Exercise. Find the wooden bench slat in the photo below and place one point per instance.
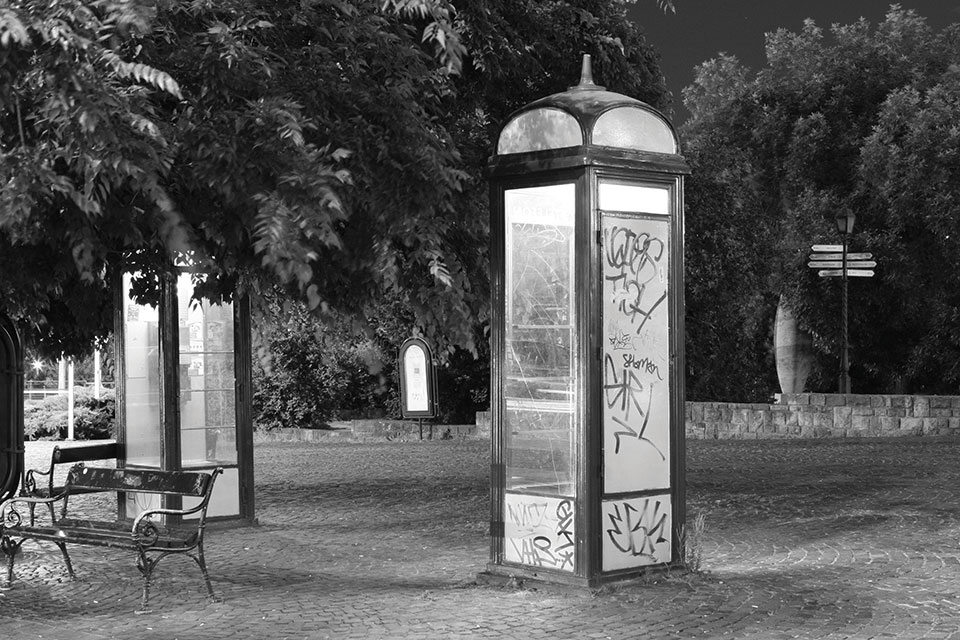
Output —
(185, 483)
(69, 455)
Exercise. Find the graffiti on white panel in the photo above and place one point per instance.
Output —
(539, 531)
(633, 265)
(636, 353)
(639, 529)
(628, 400)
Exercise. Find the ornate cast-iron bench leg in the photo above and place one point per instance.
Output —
(202, 563)
(146, 566)
(66, 559)
(10, 548)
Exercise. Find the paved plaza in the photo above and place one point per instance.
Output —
(803, 539)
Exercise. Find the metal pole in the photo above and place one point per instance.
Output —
(97, 378)
(845, 355)
(70, 400)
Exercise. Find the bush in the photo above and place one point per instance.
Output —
(93, 419)
(314, 375)
(314, 372)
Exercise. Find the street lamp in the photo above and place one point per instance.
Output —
(845, 227)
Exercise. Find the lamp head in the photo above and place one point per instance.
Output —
(845, 222)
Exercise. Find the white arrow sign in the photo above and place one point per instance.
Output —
(839, 256)
(851, 273)
(838, 264)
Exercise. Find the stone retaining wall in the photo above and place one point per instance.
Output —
(817, 415)
(370, 430)
(820, 415)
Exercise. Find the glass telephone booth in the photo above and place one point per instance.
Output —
(587, 339)
(184, 392)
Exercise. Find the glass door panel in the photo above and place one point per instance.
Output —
(540, 376)
(207, 385)
(141, 354)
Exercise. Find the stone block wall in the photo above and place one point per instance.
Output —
(820, 415)
(816, 415)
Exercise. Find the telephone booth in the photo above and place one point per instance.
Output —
(184, 392)
(587, 364)
(11, 409)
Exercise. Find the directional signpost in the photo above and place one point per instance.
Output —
(834, 261)
(828, 259)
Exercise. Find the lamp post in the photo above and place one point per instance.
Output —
(845, 227)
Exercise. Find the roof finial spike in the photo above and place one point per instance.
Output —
(586, 70)
(586, 76)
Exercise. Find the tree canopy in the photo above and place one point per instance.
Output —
(859, 118)
(333, 148)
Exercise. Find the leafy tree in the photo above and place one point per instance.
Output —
(106, 157)
(333, 147)
(309, 144)
(515, 52)
(910, 177)
(814, 134)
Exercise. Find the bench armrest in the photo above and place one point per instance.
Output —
(10, 517)
(30, 481)
(145, 533)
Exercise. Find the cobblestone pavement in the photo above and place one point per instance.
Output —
(803, 539)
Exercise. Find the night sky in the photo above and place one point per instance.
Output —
(702, 28)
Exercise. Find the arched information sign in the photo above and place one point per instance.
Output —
(11, 409)
(418, 382)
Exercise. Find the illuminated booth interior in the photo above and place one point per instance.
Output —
(587, 360)
(184, 392)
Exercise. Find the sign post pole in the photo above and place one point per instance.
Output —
(845, 356)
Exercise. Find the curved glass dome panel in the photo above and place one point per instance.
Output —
(633, 128)
(538, 130)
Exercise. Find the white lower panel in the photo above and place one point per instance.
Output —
(637, 532)
(538, 531)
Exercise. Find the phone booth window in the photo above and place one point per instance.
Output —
(141, 326)
(540, 383)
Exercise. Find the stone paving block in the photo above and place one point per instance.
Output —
(940, 402)
(864, 424)
(837, 400)
(912, 426)
(889, 425)
(841, 417)
(901, 402)
(824, 420)
(695, 411)
(892, 412)
(935, 426)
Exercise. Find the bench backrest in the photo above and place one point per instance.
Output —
(67, 455)
(181, 483)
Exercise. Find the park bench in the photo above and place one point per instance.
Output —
(152, 535)
(32, 486)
